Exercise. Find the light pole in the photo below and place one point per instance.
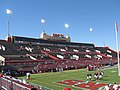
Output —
(66, 26)
(43, 22)
(91, 29)
(117, 46)
(9, 12)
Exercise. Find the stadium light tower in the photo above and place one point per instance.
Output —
(91, 29)
(43, 22)
(9, 12)
(66, 27)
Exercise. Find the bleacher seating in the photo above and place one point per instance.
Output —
(51, 57)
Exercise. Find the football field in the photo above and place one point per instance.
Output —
(74, 79)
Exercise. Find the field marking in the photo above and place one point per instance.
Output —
(113, 71)
(65, 85)
(84, 82)
(49, 84)
(110, 67)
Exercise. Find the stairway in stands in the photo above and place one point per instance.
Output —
(54, 58)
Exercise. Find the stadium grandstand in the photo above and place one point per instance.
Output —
(19, 55)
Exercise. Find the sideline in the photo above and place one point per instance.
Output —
(108, 67)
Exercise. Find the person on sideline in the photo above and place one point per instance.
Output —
(115, 86)
(28, 75)
(107, 87)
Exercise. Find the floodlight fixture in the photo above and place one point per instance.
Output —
(66, 25)
(91, 29)
(43, 21)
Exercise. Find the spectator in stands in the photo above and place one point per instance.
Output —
(115, 86)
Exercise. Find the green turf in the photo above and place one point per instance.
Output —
(48, 79)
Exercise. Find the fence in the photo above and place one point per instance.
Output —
(40, 87)
(10, 83)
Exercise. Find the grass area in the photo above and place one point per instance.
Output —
(49, 79)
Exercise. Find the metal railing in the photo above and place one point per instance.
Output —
(9, 83)
(39, 87)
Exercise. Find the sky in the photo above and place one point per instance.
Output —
(90, 21)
